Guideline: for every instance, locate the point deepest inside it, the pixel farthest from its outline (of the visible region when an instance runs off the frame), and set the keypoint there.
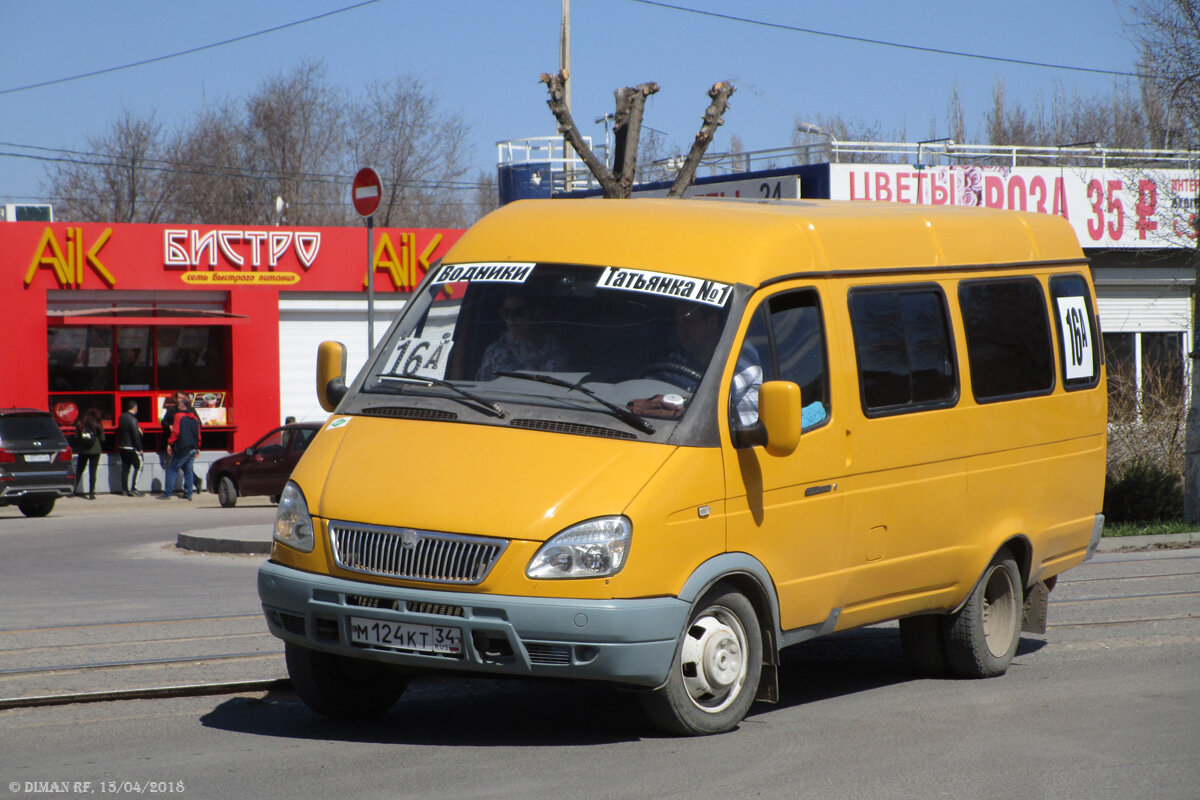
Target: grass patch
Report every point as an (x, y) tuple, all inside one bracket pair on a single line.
[(1151, 528)]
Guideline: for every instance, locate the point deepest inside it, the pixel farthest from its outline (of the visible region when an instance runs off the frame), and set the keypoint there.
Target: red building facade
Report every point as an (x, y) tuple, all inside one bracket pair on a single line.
[(99, 314)]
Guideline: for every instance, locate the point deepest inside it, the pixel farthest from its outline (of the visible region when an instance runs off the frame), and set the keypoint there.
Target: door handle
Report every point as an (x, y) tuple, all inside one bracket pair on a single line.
[(812, 491)]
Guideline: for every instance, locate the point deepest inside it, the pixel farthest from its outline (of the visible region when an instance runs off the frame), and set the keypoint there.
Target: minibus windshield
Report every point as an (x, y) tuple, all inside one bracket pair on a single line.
[(631, 343)]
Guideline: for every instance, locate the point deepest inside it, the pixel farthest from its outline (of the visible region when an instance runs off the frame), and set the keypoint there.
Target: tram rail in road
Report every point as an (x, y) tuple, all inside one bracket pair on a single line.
[(1115, 600)]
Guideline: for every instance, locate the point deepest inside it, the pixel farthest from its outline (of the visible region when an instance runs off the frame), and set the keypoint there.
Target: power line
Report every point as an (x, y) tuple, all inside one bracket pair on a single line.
[(201, 48), (87, 159), (884, 43)]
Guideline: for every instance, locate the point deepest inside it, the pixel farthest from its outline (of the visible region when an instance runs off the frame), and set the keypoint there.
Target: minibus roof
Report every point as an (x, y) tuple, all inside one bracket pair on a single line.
[(755, 241)]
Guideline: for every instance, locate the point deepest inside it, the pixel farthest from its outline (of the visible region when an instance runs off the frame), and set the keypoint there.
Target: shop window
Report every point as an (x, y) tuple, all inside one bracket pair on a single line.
[(135, 359), (1146, 374), (81, 358), (100, 366), (192, 357), (1162, 367), (1120, 355)]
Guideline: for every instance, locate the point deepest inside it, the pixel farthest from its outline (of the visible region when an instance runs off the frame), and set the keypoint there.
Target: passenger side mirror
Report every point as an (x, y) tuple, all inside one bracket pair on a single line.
[(779, 420), (331, 374)]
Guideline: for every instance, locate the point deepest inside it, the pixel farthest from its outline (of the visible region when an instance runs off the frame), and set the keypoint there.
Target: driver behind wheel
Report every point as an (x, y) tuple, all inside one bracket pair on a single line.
[(697, 330)]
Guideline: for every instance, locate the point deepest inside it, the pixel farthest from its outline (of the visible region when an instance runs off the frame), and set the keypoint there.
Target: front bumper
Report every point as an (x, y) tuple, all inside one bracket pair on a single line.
[(623, 641)]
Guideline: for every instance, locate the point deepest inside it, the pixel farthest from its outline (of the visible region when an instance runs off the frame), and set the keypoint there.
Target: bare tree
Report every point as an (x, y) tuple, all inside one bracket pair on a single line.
[(955, 123), (292, 146), (286, 140), (212, 183), (419, 152), (120, 180), (617, 182), (1168, 35)]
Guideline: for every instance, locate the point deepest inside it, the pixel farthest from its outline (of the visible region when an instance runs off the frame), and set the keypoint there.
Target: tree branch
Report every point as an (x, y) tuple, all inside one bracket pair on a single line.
[(627, 129), (556, 86), (719, 93)]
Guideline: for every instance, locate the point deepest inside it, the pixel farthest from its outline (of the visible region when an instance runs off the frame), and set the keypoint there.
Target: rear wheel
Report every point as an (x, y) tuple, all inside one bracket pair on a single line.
[(982, 638), (36, 508), (227, 492), (715, 673), (340, 687)]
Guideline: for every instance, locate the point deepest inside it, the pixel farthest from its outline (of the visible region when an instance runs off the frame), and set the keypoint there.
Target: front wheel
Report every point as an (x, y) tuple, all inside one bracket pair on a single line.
[(715, 673), (340, 687), (227, 492), (982, 637)]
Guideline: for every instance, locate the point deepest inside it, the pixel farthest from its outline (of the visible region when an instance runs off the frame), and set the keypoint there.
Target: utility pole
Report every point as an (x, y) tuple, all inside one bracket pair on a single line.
[(564, 68)]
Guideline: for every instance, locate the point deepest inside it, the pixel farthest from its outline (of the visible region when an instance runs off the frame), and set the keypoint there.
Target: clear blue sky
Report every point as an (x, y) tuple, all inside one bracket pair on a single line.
[(482, 59)]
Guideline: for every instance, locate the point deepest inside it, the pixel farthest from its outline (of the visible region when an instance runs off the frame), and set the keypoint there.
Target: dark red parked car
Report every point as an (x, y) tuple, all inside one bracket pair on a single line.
[(263, 468)]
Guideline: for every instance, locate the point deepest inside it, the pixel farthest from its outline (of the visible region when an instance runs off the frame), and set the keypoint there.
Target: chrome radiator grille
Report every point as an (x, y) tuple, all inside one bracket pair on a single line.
[(412, 554)]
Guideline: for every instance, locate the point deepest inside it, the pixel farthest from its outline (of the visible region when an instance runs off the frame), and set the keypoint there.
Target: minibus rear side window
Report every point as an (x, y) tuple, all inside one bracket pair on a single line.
[(1008, 338), (904, 351), (1080, 355)]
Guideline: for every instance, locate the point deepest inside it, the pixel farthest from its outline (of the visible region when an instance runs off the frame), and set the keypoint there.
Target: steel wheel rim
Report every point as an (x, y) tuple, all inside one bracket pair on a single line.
[(713, 659), (999, 612)]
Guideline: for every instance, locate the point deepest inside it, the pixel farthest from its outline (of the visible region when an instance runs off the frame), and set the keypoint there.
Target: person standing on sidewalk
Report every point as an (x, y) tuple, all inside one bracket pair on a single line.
[(183, 446), (129, 445), (89, 443)]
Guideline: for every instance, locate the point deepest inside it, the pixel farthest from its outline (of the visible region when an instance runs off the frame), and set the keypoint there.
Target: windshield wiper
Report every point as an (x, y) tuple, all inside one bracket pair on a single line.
[(623, 414), (488, 405)]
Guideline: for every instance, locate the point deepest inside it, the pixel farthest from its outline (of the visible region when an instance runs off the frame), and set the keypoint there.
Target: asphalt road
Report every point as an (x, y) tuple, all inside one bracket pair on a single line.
[(1106, 705)]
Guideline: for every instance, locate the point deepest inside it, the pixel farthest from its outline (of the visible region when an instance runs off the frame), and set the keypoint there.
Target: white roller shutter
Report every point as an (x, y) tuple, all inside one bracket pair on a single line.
[(1143, 309), (305, 322)]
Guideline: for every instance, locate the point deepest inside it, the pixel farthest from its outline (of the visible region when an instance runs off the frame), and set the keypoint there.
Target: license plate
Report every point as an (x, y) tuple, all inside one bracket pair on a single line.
[(406, 636), (38, 458)]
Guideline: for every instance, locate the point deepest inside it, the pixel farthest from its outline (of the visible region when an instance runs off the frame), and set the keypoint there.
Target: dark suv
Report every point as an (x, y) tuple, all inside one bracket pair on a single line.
[(35, 461)]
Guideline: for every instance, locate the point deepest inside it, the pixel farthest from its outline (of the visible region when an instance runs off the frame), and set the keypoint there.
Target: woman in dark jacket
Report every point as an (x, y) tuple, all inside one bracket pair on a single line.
[(89, 443)]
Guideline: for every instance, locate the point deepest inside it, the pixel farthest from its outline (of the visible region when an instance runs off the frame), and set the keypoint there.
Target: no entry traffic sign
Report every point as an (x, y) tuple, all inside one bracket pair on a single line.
[(366, 191)]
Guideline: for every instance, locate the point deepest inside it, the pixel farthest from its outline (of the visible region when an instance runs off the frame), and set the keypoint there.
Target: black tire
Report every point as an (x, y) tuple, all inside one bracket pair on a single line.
[(982, 637), (716, 669), (227, 492), (342, 688), (924, 641), (36, 508)]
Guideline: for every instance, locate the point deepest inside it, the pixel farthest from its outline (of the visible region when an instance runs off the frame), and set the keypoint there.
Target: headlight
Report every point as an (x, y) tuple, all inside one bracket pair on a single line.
[(293, 525), (593, 549)]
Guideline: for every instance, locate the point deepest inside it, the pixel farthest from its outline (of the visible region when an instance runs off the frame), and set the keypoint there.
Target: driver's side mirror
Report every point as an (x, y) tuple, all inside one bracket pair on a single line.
[(331, 374), (779, 420)]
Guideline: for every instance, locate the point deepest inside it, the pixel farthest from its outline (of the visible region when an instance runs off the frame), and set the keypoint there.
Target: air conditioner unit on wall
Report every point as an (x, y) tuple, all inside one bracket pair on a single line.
[(28, 212)]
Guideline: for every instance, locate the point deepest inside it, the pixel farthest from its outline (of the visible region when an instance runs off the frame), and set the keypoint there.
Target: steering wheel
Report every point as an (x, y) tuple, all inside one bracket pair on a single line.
[(671, 368)]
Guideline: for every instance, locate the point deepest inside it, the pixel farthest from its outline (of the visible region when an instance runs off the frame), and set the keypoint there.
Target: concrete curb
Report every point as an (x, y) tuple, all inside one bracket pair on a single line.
[(1116, 544), (245, 539)]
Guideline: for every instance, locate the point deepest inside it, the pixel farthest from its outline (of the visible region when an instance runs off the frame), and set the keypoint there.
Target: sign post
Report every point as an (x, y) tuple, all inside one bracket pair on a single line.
[(365, 192)]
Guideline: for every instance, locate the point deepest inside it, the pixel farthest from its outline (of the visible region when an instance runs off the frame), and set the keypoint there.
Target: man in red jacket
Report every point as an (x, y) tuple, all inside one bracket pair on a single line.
[(182, 446)]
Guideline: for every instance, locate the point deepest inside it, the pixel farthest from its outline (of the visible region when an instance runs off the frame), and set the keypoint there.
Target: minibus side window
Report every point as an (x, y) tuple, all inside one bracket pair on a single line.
[(1008, 338), (786, 340), (1080, 355), (903, 347)]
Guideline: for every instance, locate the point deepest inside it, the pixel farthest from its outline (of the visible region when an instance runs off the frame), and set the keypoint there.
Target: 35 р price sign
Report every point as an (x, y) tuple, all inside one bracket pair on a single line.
[(366, 192)]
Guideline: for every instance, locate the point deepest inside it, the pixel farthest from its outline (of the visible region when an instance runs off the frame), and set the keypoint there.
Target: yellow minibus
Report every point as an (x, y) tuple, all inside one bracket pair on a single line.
[(654, 442)]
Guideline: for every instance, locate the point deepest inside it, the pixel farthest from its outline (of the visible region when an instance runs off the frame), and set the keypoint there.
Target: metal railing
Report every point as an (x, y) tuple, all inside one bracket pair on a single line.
[(569, 173)]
